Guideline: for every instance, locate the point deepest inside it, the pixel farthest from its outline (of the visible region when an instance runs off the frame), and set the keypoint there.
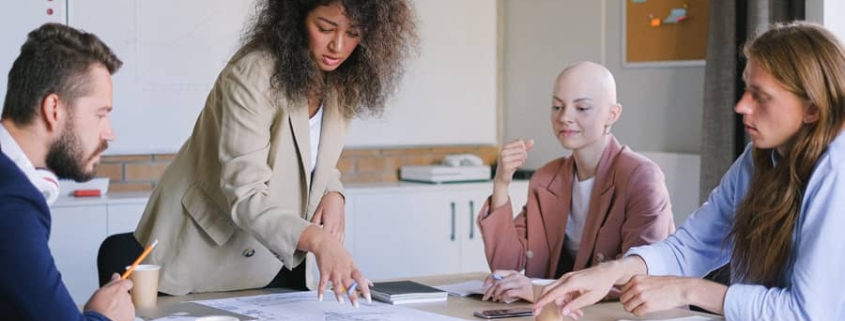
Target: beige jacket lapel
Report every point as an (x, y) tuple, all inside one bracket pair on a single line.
[(332, 137), (301, 135)]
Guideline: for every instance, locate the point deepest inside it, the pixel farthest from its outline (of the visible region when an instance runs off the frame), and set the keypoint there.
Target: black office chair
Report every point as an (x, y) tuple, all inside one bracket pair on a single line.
[(116, 252)]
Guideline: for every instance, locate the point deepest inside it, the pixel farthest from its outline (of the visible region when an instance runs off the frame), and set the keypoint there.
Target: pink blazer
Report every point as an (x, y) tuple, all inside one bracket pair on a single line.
[(629, 206)]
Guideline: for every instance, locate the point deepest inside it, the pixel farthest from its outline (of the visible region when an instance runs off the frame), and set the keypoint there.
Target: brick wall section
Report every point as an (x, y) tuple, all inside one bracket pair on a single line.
[(132, 173)]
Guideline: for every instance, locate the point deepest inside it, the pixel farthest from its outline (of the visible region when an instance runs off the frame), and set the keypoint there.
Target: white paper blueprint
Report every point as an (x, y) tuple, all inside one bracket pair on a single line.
[(302, 306)]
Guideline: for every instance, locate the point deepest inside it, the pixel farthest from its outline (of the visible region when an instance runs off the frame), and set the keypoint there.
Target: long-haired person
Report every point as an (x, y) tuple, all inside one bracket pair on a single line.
[(777, 213), (256, 187)]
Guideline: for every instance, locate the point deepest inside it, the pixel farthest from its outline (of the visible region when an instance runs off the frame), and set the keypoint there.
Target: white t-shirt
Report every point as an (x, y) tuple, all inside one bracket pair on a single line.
[(579, 207), (316, 124)]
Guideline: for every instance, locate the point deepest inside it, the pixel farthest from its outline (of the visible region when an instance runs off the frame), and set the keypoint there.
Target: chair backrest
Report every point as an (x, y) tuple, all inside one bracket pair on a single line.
[(116, 252)]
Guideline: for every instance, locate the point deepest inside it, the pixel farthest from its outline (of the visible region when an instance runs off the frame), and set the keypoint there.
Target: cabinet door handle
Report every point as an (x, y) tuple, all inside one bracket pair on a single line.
[(453, 221), (471, 220)]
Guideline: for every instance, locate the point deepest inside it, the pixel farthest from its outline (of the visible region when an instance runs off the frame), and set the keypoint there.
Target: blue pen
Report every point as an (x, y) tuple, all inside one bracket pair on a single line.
[(352, 288)]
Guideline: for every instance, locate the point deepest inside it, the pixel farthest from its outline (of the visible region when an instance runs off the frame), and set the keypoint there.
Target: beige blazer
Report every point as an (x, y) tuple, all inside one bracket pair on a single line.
[(229, 210), (629, 206)]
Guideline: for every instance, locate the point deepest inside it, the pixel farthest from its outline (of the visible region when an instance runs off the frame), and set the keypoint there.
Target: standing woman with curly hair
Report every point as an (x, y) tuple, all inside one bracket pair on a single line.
[(256, 186)]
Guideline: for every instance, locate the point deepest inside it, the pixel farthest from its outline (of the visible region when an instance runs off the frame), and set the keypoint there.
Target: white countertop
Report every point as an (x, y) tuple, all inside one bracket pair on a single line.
[(349, 189), (109, 198)]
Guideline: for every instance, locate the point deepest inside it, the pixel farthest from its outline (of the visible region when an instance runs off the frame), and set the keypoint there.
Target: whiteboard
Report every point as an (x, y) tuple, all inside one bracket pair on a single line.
[(17, 19), (172, 52)]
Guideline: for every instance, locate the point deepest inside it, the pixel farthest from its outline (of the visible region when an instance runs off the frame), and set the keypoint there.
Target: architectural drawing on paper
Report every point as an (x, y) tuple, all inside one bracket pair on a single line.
[(301, 306)]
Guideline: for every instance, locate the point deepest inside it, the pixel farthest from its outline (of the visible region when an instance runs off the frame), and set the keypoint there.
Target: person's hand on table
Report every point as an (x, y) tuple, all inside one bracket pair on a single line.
[(335, 265), (507, 285)]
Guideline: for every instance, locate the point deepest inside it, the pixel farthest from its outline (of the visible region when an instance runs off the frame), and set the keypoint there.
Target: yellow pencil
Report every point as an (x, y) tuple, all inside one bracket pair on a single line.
[(138, 261)]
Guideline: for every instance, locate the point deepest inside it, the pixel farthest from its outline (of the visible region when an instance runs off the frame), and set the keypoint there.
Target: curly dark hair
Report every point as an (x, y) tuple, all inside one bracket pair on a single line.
[(54, 59), (366, 79)]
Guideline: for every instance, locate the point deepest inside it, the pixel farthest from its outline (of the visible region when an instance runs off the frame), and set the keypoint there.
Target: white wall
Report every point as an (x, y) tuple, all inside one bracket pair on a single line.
[(540, 38), (451, 86), (661, 106), (449, 95), (828, 13), (681, 172), (17, 19)]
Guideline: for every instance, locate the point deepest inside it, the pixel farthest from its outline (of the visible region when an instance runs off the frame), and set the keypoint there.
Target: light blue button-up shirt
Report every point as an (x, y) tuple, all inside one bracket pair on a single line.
[(813, 286)]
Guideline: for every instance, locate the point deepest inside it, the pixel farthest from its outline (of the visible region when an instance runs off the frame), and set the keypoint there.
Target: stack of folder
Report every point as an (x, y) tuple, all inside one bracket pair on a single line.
[(402, 292)]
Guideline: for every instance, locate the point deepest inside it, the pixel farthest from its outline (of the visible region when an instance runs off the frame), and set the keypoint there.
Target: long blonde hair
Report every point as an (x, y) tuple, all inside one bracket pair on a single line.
[(809, 62)]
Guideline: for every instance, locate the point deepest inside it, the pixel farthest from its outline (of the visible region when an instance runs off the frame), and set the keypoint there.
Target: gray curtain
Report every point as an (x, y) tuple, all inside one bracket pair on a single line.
[(731, 22)]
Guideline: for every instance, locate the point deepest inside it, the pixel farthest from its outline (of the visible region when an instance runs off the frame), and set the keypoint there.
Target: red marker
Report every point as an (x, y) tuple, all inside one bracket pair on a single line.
[(86, 193)]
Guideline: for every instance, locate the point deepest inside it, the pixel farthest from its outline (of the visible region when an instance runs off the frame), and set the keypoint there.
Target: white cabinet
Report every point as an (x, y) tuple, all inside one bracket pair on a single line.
[(400, 234), (414, 229), (518, 191), (392, 230), (79, 227), (124, 218), (74, 240), (472, 245)]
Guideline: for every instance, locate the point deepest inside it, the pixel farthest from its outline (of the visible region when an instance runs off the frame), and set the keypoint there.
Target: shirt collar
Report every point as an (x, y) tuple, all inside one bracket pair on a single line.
[(14, 151), (775, 157)]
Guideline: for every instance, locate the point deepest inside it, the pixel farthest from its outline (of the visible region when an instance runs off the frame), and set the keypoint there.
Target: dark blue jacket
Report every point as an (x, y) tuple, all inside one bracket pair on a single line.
[(31, 287)]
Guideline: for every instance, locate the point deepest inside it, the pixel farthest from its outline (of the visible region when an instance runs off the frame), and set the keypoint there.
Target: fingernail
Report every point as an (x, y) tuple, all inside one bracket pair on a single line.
[(340, 299), (566, 312), (355, 304), (320, 297), (369, 298)]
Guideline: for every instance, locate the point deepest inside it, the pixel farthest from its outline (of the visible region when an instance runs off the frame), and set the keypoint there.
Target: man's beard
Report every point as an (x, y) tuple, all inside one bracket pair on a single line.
[(67, 159)]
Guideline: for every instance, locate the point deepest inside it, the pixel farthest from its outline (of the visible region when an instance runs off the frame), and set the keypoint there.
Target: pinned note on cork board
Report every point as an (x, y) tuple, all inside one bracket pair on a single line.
[(665, 32)]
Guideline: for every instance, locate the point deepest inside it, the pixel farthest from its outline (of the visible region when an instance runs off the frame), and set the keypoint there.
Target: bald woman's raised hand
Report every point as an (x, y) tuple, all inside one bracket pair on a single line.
[(511, 157)]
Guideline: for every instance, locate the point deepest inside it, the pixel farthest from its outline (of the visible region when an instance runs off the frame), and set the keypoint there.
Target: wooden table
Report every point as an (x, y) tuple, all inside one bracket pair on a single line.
[(456, 306)]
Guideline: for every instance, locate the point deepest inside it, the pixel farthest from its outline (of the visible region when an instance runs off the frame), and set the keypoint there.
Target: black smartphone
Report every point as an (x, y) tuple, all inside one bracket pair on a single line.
[(504, 313)]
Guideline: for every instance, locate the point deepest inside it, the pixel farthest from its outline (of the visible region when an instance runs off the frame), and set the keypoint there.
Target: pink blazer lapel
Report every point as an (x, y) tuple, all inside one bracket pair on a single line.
[(599, 208), (600, 201), (554, 210)]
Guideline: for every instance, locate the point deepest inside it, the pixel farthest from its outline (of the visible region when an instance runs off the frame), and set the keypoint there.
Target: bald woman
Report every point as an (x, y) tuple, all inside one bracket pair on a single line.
[(582, 209)]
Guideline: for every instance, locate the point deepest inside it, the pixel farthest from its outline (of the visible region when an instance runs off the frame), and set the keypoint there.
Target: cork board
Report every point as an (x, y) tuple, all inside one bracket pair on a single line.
[(672, 32)]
